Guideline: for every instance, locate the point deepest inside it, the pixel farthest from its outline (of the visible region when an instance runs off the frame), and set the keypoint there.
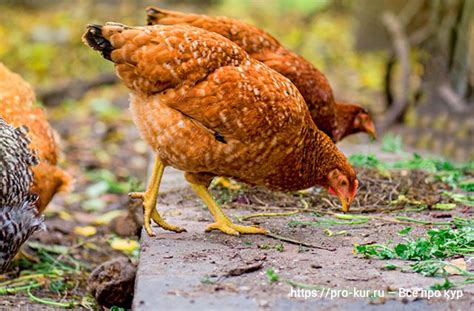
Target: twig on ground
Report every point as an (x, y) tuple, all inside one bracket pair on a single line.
[(297, 242), (243, 270), (278, 214)]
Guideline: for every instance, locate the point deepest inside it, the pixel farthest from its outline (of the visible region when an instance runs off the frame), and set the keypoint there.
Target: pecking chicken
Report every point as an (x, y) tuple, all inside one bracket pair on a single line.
[(209, 110), (336, 119), (17, 107), (19, 217)]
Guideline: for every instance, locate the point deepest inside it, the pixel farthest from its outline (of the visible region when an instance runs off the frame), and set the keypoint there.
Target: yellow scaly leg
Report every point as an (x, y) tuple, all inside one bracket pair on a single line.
[(150, 197), (223, 223)]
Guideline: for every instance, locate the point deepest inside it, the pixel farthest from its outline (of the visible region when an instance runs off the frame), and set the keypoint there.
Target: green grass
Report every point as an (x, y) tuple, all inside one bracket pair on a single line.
[(56, 275), (107, 182), (430, 251), (437, 243), (392, 143), (365, 160), (455, 175)]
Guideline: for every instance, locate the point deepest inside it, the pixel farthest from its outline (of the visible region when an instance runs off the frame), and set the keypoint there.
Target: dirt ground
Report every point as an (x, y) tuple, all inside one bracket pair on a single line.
[(216, 265)]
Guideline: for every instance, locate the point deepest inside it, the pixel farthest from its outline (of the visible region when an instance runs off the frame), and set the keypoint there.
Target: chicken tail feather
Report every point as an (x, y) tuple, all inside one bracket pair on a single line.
[(153, 15), (94, 38)]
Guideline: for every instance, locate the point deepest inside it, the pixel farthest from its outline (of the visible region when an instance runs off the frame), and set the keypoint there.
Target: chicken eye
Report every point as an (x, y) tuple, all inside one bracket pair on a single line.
[(344, 183)]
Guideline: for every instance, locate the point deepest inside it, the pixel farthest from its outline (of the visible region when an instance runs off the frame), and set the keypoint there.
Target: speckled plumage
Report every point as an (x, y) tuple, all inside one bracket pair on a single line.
[(17, 223), (311, 83), (15, 161), (18, 214), (18, 108), (191, 87)]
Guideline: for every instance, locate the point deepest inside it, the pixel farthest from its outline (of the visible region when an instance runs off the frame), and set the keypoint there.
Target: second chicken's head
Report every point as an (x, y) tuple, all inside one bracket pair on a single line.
[(342, 182), (363, 122)]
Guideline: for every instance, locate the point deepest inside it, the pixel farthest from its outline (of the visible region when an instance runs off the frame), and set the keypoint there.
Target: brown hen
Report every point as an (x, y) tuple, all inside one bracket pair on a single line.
[(336, 119), (210, 110), (17, 107)]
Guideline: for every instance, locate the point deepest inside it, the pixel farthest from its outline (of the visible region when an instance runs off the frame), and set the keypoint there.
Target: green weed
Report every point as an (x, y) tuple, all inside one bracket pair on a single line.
[(430, 251), (272, 275)]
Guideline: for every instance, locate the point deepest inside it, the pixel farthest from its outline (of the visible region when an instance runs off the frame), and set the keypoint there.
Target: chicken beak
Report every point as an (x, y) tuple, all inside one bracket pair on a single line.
[(370, 129), (344, 203)]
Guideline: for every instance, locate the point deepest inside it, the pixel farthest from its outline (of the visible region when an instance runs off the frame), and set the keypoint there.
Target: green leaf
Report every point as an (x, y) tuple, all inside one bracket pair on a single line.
[(272, 275), (446, 285), (279, 248), (405, 230), (55, 249), (467, 185), (93, 205), (364, 160), (444, 206), (390, 266), (97, 189)]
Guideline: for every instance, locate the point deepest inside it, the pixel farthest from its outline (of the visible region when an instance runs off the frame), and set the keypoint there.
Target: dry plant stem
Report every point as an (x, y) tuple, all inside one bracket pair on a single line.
[(23, 278), (297, 242), (76, 246), (279, 214)]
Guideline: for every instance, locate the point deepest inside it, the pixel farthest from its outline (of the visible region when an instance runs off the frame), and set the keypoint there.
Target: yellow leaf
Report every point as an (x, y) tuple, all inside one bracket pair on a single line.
[(125, 245), (458, 265), (65, 215), (106, 218), (85, 231)]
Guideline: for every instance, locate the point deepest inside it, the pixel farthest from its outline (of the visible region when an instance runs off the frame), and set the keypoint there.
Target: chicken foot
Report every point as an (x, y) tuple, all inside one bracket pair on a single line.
[(150, 198), (223, 223)]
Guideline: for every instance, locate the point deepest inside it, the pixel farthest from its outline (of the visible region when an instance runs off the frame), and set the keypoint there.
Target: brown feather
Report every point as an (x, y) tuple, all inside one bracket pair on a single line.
[(312, 84)]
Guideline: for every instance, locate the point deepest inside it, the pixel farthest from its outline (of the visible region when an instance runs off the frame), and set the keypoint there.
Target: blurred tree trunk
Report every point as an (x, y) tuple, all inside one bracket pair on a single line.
[(442, 34)]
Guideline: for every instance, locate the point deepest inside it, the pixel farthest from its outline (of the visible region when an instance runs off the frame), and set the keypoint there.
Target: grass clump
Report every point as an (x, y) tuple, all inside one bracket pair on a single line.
[(52, 281), (430, 251)]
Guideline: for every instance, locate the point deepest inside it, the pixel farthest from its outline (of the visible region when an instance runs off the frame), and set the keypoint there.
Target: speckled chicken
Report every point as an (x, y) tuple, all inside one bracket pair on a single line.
[(209, 109), (18, 108), (19, 217), (337, 119)]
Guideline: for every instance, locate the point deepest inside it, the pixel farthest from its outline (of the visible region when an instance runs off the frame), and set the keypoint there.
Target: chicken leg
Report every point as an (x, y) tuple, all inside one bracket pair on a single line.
[(150, 197), (223, 223)]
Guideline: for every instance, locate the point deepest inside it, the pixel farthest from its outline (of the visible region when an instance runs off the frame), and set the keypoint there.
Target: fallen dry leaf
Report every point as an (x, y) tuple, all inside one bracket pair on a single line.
[(85, 231), (106, 218), (459, 263), (124, 245)]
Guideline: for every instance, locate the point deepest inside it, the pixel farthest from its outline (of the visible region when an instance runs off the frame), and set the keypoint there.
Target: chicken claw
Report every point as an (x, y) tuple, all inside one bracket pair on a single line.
[(228, 227), (150, 197), (223, 223)]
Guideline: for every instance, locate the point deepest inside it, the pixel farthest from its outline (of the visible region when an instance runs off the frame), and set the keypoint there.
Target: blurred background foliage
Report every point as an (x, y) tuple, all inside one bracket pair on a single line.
[(430, 96), (42, 39)]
